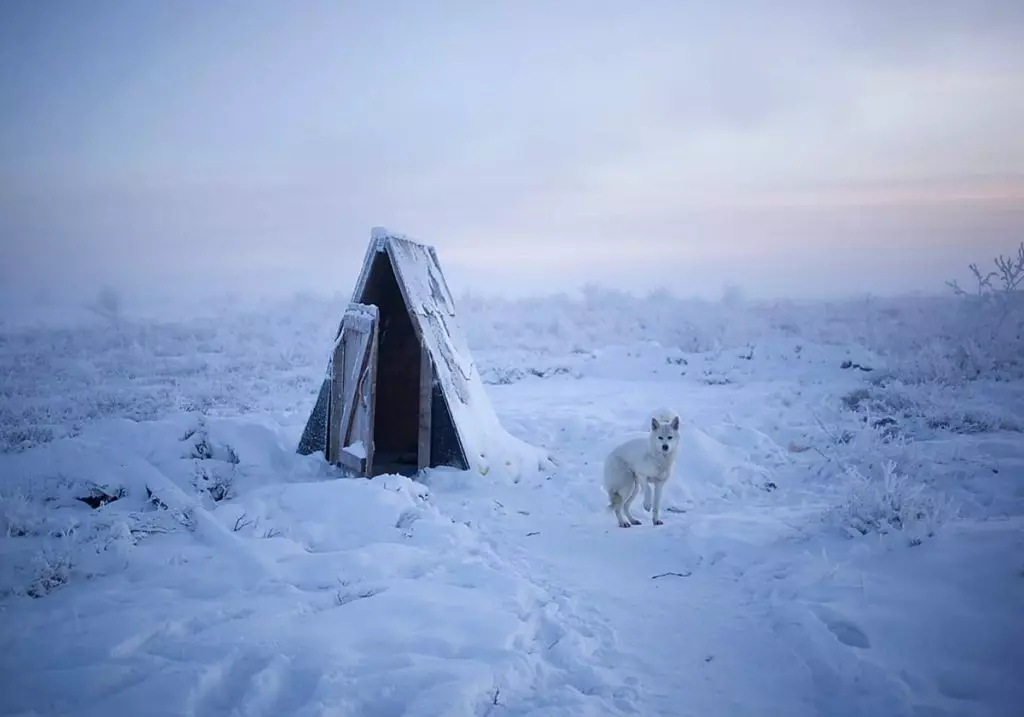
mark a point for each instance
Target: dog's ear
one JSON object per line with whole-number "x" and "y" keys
{"x": 675, "y": 423}
{"x": 654, "y": 424}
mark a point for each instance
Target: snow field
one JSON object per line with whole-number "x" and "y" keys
{"x": 837, "y": 540}
{"x": 844, "y": 626}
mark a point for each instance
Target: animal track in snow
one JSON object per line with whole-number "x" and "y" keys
{"x": 844, "y": 630}
{"x": 252, "y": 684}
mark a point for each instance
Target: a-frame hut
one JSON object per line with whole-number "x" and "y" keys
{"x": 402, "y": 392}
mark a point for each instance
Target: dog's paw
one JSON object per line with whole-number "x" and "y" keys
{"x": 658, "y": 521}
{"x": 634, "y": 521}
{"x": 624, "y": 524}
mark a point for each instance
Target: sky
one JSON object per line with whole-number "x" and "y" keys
{"x": 799, "y": 149}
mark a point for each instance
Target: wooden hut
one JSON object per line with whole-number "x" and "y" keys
{"x": 402, "y": 392}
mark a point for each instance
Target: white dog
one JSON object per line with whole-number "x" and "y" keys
{"x": 643, "y": 461}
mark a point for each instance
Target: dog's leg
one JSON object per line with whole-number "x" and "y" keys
{"x": 633, "y": 491}
{"x": 647, "y": 495}
{"x": 616, "y": 505}
{"x": 656, "y": 512}
{"x": 623, "y": 522}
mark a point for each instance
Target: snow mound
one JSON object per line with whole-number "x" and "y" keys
{"x": 292, "y": 592}
{"x": 709, "y": 467}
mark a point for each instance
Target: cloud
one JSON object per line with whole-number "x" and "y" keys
{"x": 268, "y": 137}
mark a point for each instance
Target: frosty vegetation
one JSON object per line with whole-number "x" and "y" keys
{"x": 874, "y": 421}
{"x": 937, "y": 357}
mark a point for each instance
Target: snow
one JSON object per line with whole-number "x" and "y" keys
{"x": 837, "y": 541}
{"x": 356, "y": 450}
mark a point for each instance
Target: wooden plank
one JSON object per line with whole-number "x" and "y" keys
{"x": 335, "y": 401}
{"x": 349, "y": 357}
{"x": 371, "y": 402}
{"x": 349, "y": 372}
{"x": 360, "y": 346}
{"x": 400, "y": 278}
{"x": 361, "y": 317}
{"x": 426, "y": 396}
{"x": 353, "y": 463}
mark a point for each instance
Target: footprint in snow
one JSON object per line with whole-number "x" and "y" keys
{"x": 843, "y": 629}
{"x": 257, "y": 684}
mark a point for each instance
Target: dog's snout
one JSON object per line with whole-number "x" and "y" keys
{"x": 664, "y": 447}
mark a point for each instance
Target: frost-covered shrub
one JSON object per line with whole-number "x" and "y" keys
{"x": 602, "y": 317}
{"x": 231, "y": 359}
{"x": 882, "y": 400}
{"x": 885, "y": 500}
{"x": 215, "y": 478}
{"x": 877, "y": 471}
{"x": 985, "y": 337}
{"x": 54, "y": 380}
{"x": 52, "y": 569}
{"x": 19, "y": 516}
{"x": 917, "y": 408}
{"x": 971, "y": 421}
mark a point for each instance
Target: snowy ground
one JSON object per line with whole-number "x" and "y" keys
{"x": 838, "y": 541}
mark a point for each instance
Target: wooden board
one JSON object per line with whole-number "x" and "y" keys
{"x": 353, "y": 383}
{"x": 426, "y": 396}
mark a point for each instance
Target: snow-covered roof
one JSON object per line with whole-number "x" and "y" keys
{"x": 485, "y": 442}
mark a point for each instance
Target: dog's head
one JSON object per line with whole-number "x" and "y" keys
{"x": 664, "y": 434}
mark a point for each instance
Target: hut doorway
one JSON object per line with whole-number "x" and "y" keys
{"x": 399, "y": 406}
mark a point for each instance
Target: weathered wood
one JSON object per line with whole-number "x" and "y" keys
{"x": 426, "y": 395}
{"x": 336, "y": 401}
{"x": 361, "y": 318}
{"x": 454, "y": 423}
{"x": 404, "y": 291}
{"x": 353, "y": 463}
{"x": 353, "y": 367}
{"x": 354, "y": 383}
{"x": 370, "y": 402}
{"x": 430, "y": 306}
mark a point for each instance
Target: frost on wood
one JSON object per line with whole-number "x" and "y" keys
{"x": 358, "y": 317}
{"x": 356, "y": 450}
{"x": 428, "y": 298}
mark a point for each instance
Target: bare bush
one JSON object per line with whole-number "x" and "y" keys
{"x": 1008, "y": 276}
{"x": 994, "y": 313}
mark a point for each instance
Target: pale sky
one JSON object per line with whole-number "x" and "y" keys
{"x": 810, "y": 148}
